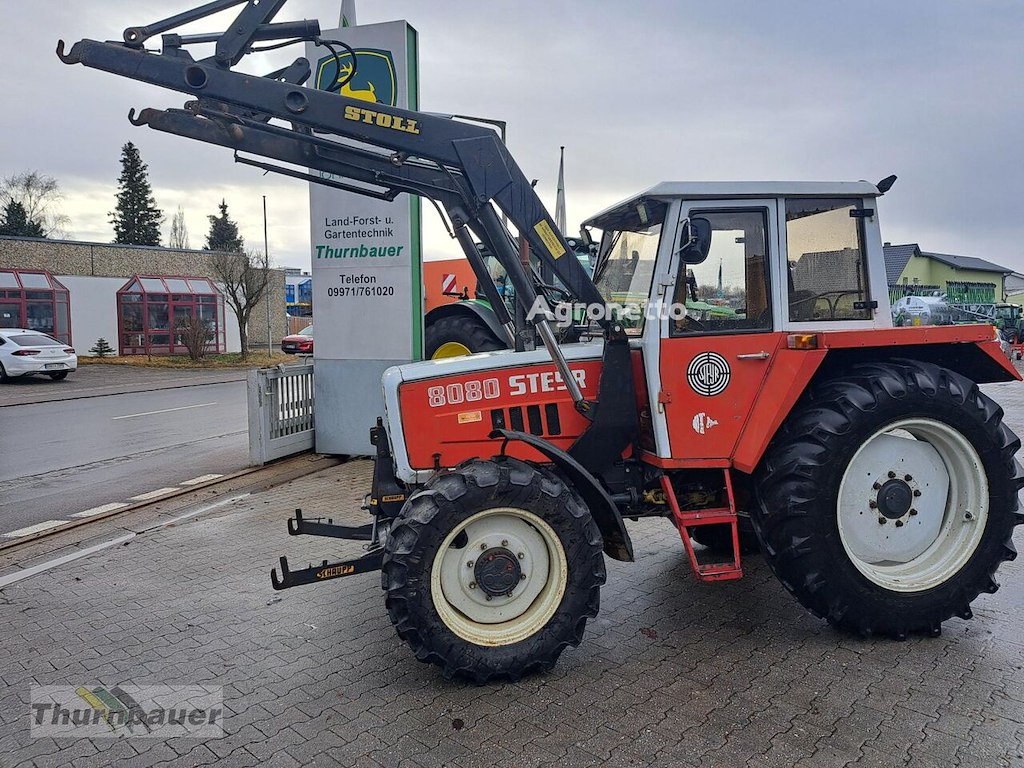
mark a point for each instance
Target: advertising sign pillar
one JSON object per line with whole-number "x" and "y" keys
{"x": 366, "y": 253}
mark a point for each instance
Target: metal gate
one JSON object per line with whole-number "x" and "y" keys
{"x": 280, "y": 412}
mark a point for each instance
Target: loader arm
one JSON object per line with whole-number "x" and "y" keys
{"x": 384, "y": 150}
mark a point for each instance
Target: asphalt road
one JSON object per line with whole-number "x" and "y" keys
{"x": 67, "y": 456}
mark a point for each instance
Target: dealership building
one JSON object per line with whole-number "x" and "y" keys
{"x": 132, "y": 296}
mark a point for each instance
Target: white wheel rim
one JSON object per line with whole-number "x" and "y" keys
{"x": 935, "y": 537}
{"x": 503, "y": 619}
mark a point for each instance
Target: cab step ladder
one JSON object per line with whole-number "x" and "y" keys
{"x": 691, "y": 518}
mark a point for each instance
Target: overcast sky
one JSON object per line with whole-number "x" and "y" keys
{"x": 638, "y": 92}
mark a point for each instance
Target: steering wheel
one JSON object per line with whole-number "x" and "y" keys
{"x": 694, "y": 323}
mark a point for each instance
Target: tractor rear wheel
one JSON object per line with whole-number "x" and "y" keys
{"x": 457, "y": 335}
{"x": 888, "y": 499}
{"x": 493, "y": 569}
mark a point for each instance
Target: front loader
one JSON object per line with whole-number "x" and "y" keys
{"x": 742, "y": 381}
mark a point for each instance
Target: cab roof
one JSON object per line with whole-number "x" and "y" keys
{"x": 742, "y": 190}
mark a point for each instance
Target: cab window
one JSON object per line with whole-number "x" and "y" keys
{"x": 729, "y": 291}
{"x": 827, "y": 270}
{"x": 625, "y": 268}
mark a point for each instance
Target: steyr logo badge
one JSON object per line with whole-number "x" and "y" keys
{"x": 374, "y": 81}
{"x": 708, "y": 374}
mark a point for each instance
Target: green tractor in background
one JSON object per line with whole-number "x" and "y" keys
{"x": 470, "y": 324}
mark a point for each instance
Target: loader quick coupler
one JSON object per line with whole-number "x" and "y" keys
{"x": 384, "y": 502}
{"x": 300, "y": 526}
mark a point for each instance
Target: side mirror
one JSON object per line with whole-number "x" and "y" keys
{"x": 695, "y": 242}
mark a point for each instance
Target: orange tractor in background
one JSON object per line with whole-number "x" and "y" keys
{"x": 736, "y": 373}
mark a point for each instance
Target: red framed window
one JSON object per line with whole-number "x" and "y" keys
{"x": 150, "y": 307}
{"x": 36, "y": 300}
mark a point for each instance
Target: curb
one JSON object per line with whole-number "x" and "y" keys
{"x": 311, "y": 467}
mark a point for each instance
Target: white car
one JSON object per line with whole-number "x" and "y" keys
{"x": 25, "y": 352}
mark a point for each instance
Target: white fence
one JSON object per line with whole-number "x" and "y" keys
{"x": 280, "y": 412}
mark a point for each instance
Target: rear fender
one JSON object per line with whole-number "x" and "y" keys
{"x": 980, "y": 361}
{"x": 617, "y": 544}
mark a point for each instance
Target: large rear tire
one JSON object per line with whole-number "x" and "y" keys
{"x": 492, "y": 570}
{"x": 888, "y": 499}
{"x": 457, "y": 335}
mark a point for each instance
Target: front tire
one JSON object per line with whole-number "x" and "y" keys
{"x": 493, "y": 569}
{"x": 458, "y": 335}
{"x": 888, "y": 499}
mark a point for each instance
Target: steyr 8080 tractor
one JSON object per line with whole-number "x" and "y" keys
{"x": 743, "y": 381}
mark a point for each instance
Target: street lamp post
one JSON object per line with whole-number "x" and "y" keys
{"x": 266, "y": 273}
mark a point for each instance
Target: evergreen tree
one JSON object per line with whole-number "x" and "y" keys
{"x": 136, "y": 219}
{"x": 223, "y": 235}
{"x": 102, "y": 348}
{"x": 16, "y": 222}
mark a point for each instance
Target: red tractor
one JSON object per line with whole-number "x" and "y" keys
{"x": 742, "y": 381}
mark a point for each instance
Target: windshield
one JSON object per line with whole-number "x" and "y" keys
{"x": 625, "y": 268}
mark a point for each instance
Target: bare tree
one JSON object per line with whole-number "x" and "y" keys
{"x": 40, "y": 196}
{"x": 179, "y": 231}
{"x": 245, "y": 279}
{"x": 195, "y": 334}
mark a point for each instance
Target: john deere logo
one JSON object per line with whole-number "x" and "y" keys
{"x": 374, "y": 81}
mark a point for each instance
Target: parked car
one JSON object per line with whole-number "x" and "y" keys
{"x": 23, "y": 353}
{"x": 300, "y": 343}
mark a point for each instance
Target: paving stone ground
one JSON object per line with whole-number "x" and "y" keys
{"x": 672, "y": 673}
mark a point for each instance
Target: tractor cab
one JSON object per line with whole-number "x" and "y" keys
{"x": 781, "y": 260}
{"x": 782, "y": 257}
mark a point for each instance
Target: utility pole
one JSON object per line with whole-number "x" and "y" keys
{"x": 266, "y": 273}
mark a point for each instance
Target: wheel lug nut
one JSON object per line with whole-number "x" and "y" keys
{"x": 472, "y": 585}
{"x": 872, "y": 504}
{"x": 504, "y": 542}
{"x": 899, "y": 523}
{"x": 469, "y": 564}
{"x": 875, "y": 486}
{"x": 488, "y": 598}
{"x": 891, "y": 474}
{"x": 968, "y": 516}
{"x": 483, "y": 546}
{"x": 521, "y": 555}
{"x": 917, "y": 492}
{"x": 881, "y": 521}
{"x": 913, "y": 512}
{"x": 908, "y": 478}
{"x": 522, "y": 577}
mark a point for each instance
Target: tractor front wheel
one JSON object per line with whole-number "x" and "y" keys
{"x": 493, "y": 569}
{"x": 458, "y": 335}
{"x": 889, "y": 498}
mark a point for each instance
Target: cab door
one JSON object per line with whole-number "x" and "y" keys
{"x": 717, "y": 336}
